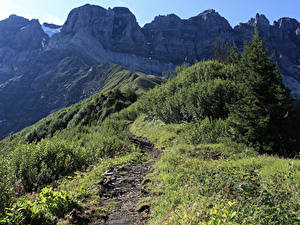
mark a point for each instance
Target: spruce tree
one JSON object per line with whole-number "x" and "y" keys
{"x": 218, "y": 56}
{"x": 234, "y": 56}
{"x": 260, "y": 116}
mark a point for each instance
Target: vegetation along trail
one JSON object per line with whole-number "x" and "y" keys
{"x": 125, "y": 184}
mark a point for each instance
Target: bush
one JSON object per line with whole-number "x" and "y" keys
{"x": 39, "y": 164}
{"x": 41, "y": 211}
{"x": 203, "y": 90}
{"x": 6, "y": 191}
{"x": 57, "y": 203}
{"x": 206, "y": 132}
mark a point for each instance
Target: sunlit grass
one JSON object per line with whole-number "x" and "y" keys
{"x": 223, "y": 183}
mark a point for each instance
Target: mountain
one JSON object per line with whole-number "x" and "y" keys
{"x": 167, "y": 41}
{"x": 46, "y": 67}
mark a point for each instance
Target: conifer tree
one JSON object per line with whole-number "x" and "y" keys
{"x": 259, "y": 117}
{"x": 218, "y": 51}
{"x": 234, "y": 56}
{"x": 227, "y": 52}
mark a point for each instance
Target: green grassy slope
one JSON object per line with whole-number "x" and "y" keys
{"x": 222, "y": 183}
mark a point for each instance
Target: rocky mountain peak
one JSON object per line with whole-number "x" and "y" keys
{"x": 210, "y": 15}
{"x": 211, "y": 20}
{"x": 122, "y": 10}
{"x": 262, "y": 21}
{"x": 99, "y": 21}
{"x": 83, "y": 18}
{"x": 16, "y": 19}
{"x": 164, "y": 21}
{"x": 209, "y": 12}
{"x": 13, "y": 23}
{"x": 21, "y": 34}
{"x": 286, "y": 23}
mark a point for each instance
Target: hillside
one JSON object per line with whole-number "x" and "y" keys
{"x": 180, "y": 153}
{"x": 62, "y": 83}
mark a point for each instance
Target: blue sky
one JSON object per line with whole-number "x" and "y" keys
{"x": 234, "y": 11}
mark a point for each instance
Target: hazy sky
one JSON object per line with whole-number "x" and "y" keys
{"x": 234, "y": 11}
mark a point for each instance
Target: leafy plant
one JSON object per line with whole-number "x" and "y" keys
{"x": 49, "y": 204}
{"x": 206, "y": 132}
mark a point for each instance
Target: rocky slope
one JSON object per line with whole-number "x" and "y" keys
{"x": 167, "y": 41}
{"x": 46, "y": 67}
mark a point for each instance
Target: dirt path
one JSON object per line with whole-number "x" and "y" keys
{"x": 125, "y": 184}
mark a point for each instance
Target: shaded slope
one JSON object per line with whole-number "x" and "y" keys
{"x": 65, "y": 81}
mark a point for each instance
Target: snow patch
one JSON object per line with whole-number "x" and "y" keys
{"x": 150, "y": 75}
{"x": 292, "y": 84}
{"x": 43, "y": 43}
{"x": 49, "y": 31}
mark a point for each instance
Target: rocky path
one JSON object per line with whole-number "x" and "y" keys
{"x": 125, "y": 185}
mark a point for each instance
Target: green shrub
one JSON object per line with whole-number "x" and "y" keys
{"x": 206, "y": 132}
{"x": 58, "y": 203}
{"x": 24, "y": 213}
{"x": 203, "y": 90}
{"x": 41, "y": 211}
{"x": 39, "y": 164}
{"x": 6, "y": 192}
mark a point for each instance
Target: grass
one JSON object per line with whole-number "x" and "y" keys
{"x": 81, "y": 191}
{"x": 84, "y": 186}
{"x": 222, "y": 183}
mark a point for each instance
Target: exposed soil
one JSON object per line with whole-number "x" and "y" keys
{"x": 124, "y": 185}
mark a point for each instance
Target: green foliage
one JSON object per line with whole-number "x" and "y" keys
{"x": 260, "y": 115}
{"x": 91, "y": 111}
{"x": 57, "y": 203}
{"x": 68, "y": 140}
{"x": 34, "y": 165}
{"x": 39, "y": 164}
{"x": 6, "y": 192}
{"x": 225, "y": 183}
{"x": 246, "y": 198}
{"x": 201, "y": 91}
{"x": 49, "y": 204}
{"x": 218, "y": 56}
{"x": 234, "y": 56}
{"x": 248, "y": 87}
{"x": 206, "y": 132}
